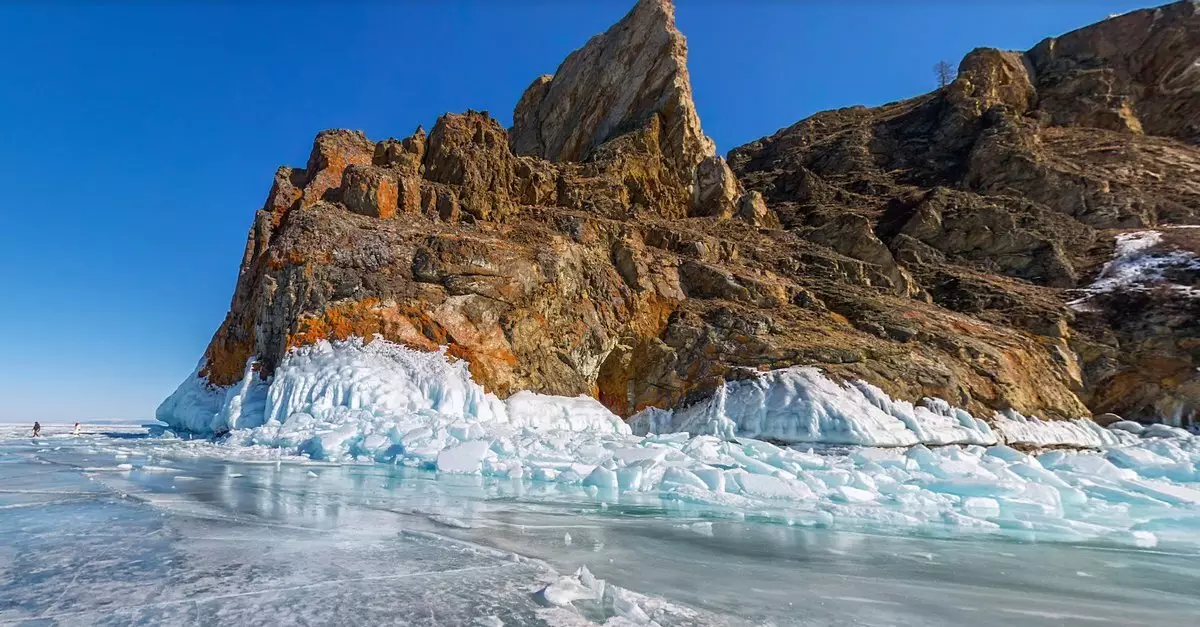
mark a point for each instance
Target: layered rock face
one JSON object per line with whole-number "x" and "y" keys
{"x": 1002, "y": 192}
{"x": 600, "y": 247}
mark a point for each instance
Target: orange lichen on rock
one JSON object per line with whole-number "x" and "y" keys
{"x": 488, "y": 355}
{"x": 226, "y": 357}
{"x": 339, "y": 322}
{"x": 490, "y": 359}
{"x": 387, "y": 197}
{"x": 332, "y": 152}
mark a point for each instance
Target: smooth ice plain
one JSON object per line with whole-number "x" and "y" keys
{"x": 115, "y": 527}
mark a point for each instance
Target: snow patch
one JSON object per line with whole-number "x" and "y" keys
{"x": 1136, "y": 265}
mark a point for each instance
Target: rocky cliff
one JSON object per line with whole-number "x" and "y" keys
{"x": 940, "y": 246}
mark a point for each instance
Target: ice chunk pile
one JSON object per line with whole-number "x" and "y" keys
{"x": 618, "y": 605}
{"x": 355, "y": 400}
{"x": 1130, "y": 495}
{"x": 332, "y": 398}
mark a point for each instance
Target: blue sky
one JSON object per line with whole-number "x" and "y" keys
{"x": 138, "y": 139}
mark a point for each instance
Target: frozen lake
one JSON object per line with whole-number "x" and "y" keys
{"x": 116, "y": 528}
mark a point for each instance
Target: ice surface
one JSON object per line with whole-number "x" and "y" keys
{"x": 248, "y": 542}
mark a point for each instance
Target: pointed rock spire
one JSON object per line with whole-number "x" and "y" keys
{"x": 613, "y": 84}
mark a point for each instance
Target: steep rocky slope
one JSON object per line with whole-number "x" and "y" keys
{"x": 600, "y": 247}
{"x": 1003, "y": 191}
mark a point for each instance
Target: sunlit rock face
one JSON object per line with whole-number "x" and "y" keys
{"x": 600, "y": 247}
{"x": 1005, "y": 194}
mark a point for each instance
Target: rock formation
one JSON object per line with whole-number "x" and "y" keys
{"x": 1003, "y": 191}
{"x": 929, "y": 246}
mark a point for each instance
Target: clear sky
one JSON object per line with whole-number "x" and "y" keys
{"x": 137, "y": 139}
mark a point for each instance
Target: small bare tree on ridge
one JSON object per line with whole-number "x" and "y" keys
{"x": 944, "y": 72}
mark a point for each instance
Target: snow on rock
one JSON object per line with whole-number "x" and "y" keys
{"x": 1130, "y": 426}
{"x": 1139, "y": 263}
{"x": 355, "y": 400}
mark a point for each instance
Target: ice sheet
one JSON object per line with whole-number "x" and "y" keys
{"x": 254, "y": 543}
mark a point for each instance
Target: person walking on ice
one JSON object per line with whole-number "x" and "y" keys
{"x": 37, "y": 429}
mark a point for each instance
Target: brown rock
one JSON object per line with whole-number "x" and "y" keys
{"x": 1136, "y": 72}
{"x": 616, "y": 82}
{"x": 370, "y": 191}
{"x": 988, "y": 77}
{"x": 752, "y": 208}
{"x": 405, "y": 155}
{"x": 332, "y": 152}
{"x": 716, "y": 190}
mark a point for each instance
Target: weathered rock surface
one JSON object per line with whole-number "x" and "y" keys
{"x": 600, "y": 247}
{"x": 616, "y": 82}
{"x": 1001, "y": 193}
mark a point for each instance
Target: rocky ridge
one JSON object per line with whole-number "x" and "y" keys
{"x": 930, "y": 246}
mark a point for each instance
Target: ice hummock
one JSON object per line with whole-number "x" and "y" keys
{"x": 344, "y": 383}
{"x": 332, "y": 400}
{"x": 802, "y": 405}
{"x": 378, "y": 401}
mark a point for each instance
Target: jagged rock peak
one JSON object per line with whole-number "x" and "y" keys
{"x": 613, "y": 84}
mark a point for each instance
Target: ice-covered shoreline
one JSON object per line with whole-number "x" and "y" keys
{"x": 379, "y": 401}
{"x": 327, "y": 389}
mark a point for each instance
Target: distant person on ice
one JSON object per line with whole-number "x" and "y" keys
{"x": 37, "y": 429}
{"x": 75, "y": 431}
